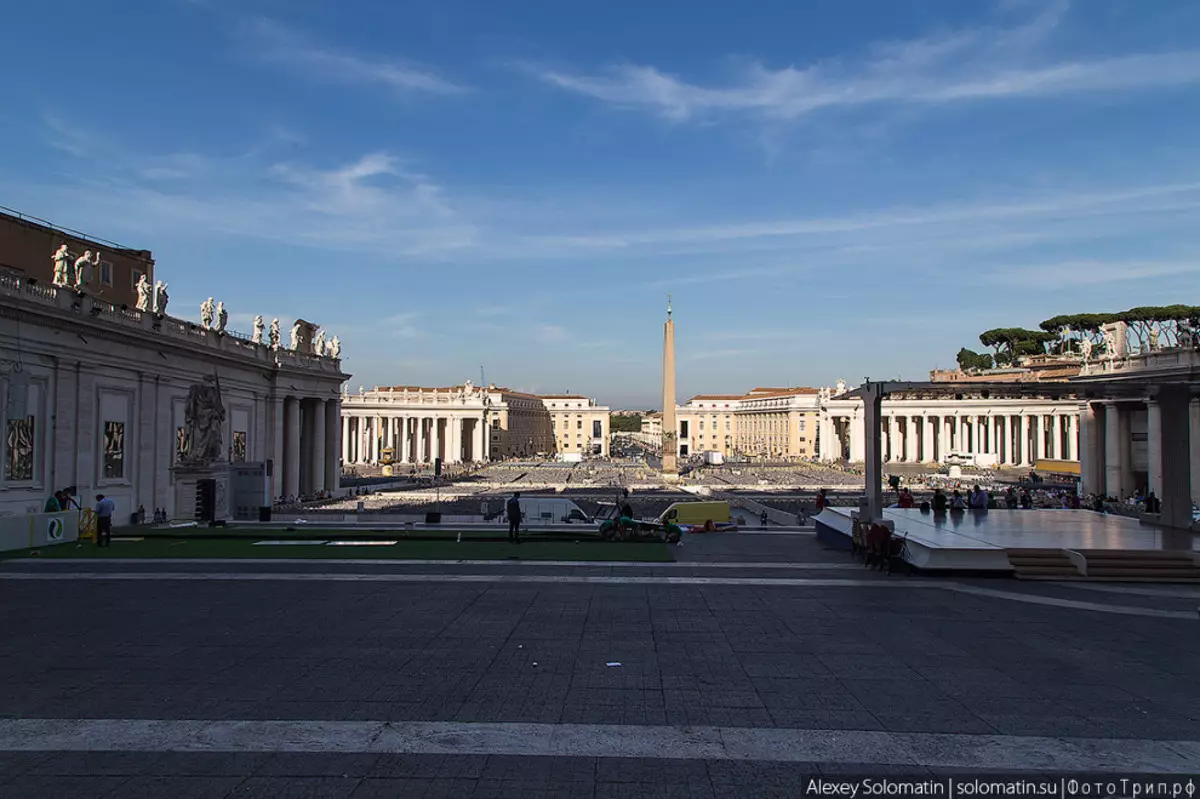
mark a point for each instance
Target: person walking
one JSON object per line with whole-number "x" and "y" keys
{"x": 104, "y": 513}
{"x": 513, "y": 509}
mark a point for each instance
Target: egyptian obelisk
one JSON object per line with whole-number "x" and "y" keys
{"x": 670, "y": 468}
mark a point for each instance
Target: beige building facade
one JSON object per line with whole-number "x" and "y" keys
{"x": 764, "y": 423}
{"x": 468, "y": 424}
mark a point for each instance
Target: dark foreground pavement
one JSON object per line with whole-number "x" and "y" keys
{"x": 494, "y": 680}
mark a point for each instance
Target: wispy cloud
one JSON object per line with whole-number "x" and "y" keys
{"x": 278, "y": 44}
{"x": 981, "y": 64}
{"x": 403, "y": 325}
{"x": 1086, "y": 272}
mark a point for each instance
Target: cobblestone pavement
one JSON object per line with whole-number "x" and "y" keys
{"x": 723, "y": 689}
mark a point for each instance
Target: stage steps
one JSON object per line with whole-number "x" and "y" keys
{"x": 1042, "y": 564}
{"x": 1105, "y": 565}
{"x": 1139, "y": 565}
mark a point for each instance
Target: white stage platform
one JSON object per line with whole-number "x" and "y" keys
{"x": 974, "y": 540}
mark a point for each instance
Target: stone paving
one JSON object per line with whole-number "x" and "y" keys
{"x": 908, "y": 659}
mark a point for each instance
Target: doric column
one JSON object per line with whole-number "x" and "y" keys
{"x": 1176, "y": 453}
{"x": 1154, "y": 463}
{"x": 1055, "y": 443}
{"x": 291, "y": 448}
{"x": 333, "y": 444}
{"x": 279, "y": 430}
{"x": 345, "y": 439}
{"x": 435, "y": 450}
{"x": 1026, "y": 441}
{"x": 1194, "y": 446}
{"x": 1068, "y": 451}
{"x": 1091, "y": 465}
{"x": 454, "y": 435}
{"x": 477, "y": 440}
{"x": 420, "y": 440}
{"x": 886, "y": 446}
{"x": 1116, "y": 446}
{"x": 316, "y": 447}
{"x": 856, "y": 437}
{"x": 930, "y": 455}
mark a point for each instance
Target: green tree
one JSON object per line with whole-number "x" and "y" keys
{"x": 626, "y": 424}
{"x": 969, "y": 360}
{"x": 1010, "y": 343}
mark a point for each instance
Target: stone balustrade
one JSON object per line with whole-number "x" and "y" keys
{"x": 170, "y": 327}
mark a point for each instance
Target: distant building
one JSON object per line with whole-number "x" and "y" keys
{"x": 27, "y": 247}
{"x": 468, "y": 423}
{"x": 1031, "y": 370}
{"x": 765, "y": 422}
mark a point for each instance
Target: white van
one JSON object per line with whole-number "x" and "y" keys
{"x": 550, "y": 510}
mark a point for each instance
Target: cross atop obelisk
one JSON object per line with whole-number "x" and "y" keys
{"x": 670, "y": 468}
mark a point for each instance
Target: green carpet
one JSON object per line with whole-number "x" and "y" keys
{"x": 161, "y": 547}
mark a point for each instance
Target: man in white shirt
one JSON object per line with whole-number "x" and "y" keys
{"x": 104, "y": 513}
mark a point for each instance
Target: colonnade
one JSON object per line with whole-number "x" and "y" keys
{"x": 307, "y": 440}
{"x": 1019, "y": 438}
{"x": 412, "y": 438}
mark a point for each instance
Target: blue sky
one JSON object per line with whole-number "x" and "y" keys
{"x": 828, "y": 188}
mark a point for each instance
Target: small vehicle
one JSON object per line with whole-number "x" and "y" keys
{"x": 550, "y": 510}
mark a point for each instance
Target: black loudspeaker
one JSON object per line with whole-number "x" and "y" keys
{"x": 264, "y": 513}
{"x": 206, "y": 500}
{"x": 433, "y": 517}
{"x": 437, "y": 467}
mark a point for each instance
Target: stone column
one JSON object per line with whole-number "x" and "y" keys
{"x": 291, "y": 448}
{"x": 420, "y": 440}
{"x": 454, "y": 434}
{"x": 279, "y": 430}
{"x": 316, "y": 447}
{"x": 828, "y": 447}
{"x": 1026, "y": 458}
{"x": 856, "y": 437}
{"x": 477, "y": 451}
{"x": 334, "y": 444}
{"x": 1068, "y": 434}
{"x": 1091, "y": 459}
{"x": 436, "y": 438}
{"x": 931, "y": 443}
{"x": 885, "y": 447}
{"x": 1176, "y": 459}
{"x": 345, "y": 439}
{"x": 1194, "y": 431}
{"x": 1154, "y": 442}
{"x": 1116, "y": 451}
{"x": 964, "y": 435}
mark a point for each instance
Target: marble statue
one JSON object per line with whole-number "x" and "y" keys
{"x": 361, "y": 390}
{"x": 1154, "y": 333}
{"x": 82, "y": 266}
{"x": 222, "y": 318}
{"x": 273, "y": 335}
{"x": 335, "y": 348}
{"x": 144, "y": 290}
{"x": 160, "y": 298}
{"x": 258, "y": 330}
{"x": 204, "y": 421}
{"x": 206, "y": 313}
{"x": 319, "y": 343}
{"x": 62, "y": 267}
{"x": 295, "y": 342}
{"x": 1087, "y": 347}
{"x": 1110, "y": 344}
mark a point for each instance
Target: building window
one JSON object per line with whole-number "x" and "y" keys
{"x": 106, "y": 273}
{"x": 237, "y": 449}
{"x": 683, "y": 429}
{"x": 801, "y": 425}
{"x": 597, "y": 429}
{"x": 578, "y": 424}
{"x": 114, "y": 450}
{"x": 495, "y": 424}
{"x": 701, "y": 425}
{"x": 19, "y": 448}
